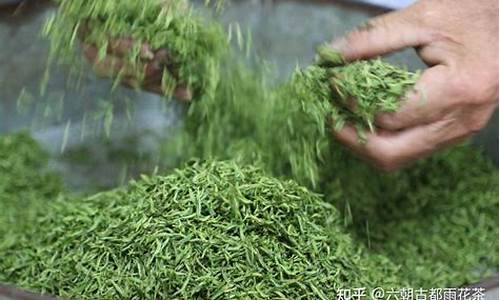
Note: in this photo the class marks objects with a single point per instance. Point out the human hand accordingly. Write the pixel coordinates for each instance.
(152, 65)
(454, 97)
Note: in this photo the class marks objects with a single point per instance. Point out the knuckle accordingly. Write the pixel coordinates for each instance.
(434, 32)
(434, 36)
(460, 86)
(424, 19)
(469, 90)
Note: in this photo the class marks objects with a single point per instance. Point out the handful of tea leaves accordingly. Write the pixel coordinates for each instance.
(363, 89)
(210, 230)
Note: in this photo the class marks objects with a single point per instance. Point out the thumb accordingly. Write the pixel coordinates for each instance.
(382, 35)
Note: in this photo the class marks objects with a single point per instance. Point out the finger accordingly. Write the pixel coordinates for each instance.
(123, 46)
(382, 35)
(427, 102)
(180, 92)
(108, 66)
(433, 54)
(163, 56)
(367, 150)
(103, 67)
(111, 66)
(161, 60)
(393, 150)
(348, 136)
(90, 52)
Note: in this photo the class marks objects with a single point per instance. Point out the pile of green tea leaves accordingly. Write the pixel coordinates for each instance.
(286, 132)
(25, 183)
(216, 229)
(194, 46)
(210, 230)
(438, 219)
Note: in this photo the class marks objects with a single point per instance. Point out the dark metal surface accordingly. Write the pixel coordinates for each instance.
(488, 283)
(10, 2)
(12, 293)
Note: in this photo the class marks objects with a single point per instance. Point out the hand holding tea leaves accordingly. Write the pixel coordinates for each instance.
(453, 98)
(153, 64)
(153, 67)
